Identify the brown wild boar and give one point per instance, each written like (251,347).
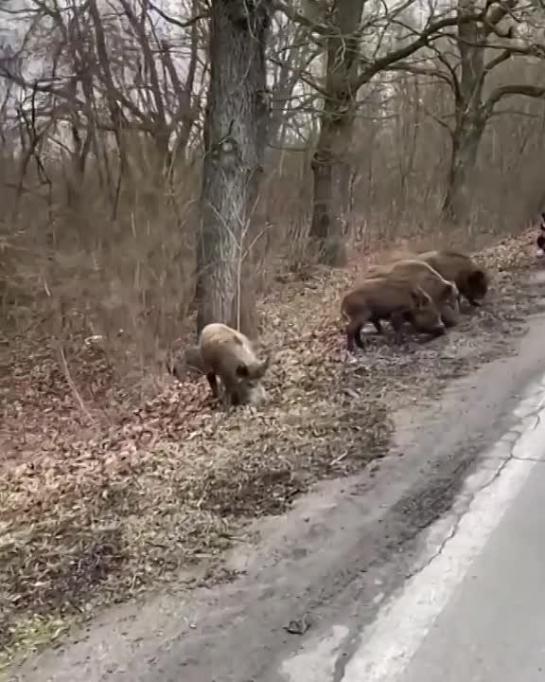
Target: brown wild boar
(418,273)
(226,353)
(383,299)
(471,280)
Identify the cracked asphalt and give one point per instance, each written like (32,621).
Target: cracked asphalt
(475,609)
(427,569)
(493,625)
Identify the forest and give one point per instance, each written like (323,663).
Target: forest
(164,165)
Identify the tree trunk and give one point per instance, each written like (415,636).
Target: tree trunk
(466,139)
(331,165)
(234,137)
(470,121)
(331,172)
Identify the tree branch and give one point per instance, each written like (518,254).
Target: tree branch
(299,18)
(509,91)
(421,71)
(496,13)
(497,60)
(178,22)
(382,63)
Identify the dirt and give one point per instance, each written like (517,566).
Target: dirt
(98,505)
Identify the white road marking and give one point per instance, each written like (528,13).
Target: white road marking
(389,643)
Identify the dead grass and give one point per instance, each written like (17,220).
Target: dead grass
(98,504)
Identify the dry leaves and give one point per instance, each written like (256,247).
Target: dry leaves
(99,502)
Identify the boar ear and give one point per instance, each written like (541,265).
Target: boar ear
(420,297)
(448,292)
(258,369)
(242,370)
(263,366)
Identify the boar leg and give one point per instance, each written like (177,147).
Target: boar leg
(357,336)
(396,320)
(353,335)
(228,400)
(377,325)
(213,382)
(235,398)
(231,393)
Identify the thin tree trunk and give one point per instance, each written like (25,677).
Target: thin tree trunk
(331,173)
(331,165)
(466,140)
(235,136)
(469,126)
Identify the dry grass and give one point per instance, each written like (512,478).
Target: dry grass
(98,503)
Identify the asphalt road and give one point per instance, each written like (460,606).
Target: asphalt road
(493,627)
(429,570)
(476,611)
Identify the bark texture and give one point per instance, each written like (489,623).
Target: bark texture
(331,165)
(235,137)
(470,119)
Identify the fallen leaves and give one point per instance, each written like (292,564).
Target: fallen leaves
(98,503)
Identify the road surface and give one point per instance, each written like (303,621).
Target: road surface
(475,610)
(428,569)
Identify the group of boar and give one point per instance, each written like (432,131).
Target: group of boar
(424,290)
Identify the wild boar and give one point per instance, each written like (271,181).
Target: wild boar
(471,280)
(418,273)
(228,354)
(383,299)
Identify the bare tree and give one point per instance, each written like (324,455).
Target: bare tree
(289,56)
(235,136)
(342,29)
(465,63)
(111,69)
(472,106)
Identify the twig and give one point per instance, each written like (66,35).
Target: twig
(72,385)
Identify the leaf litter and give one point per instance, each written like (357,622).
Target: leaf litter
(100,504)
